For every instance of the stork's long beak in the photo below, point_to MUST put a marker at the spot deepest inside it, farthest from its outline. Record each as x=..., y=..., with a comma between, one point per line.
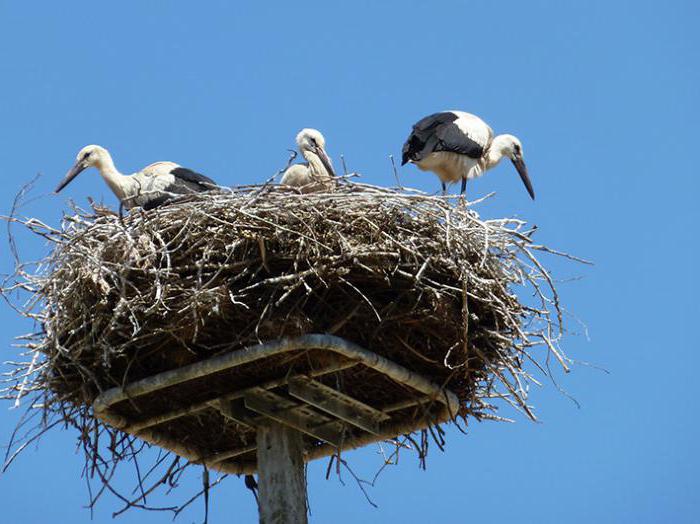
x=78, y=168
x=325, y=160
x=519, y=164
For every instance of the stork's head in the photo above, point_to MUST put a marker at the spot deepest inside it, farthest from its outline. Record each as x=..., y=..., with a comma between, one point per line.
x=509, y=146
x=311, y=141
x=89, y=156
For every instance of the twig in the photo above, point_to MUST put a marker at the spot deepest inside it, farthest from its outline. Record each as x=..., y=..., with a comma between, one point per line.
x=396, y=173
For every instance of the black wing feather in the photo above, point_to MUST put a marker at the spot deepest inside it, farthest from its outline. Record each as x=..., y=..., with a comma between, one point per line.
x=438, y=132
x=193, y=183
x=199, y=181
x=157, y=202
x=423, y=139
x=452, y=138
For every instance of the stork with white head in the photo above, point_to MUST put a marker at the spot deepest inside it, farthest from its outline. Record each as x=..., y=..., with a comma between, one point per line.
x=316, y=174
x=458, y=146
x=151, y=187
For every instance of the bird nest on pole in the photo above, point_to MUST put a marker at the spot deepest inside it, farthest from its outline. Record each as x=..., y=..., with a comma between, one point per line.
x=179, y=324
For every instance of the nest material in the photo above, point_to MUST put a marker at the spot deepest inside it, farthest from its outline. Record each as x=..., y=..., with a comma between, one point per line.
x=425, y=283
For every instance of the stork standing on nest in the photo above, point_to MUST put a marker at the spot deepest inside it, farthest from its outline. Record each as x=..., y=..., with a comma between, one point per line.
x=151, y=187
x=457, y=145
x=316, y=174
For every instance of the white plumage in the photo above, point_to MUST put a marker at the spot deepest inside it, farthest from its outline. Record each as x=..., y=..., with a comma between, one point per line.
x=317, y=173
x=458, y=146
x=154, y=185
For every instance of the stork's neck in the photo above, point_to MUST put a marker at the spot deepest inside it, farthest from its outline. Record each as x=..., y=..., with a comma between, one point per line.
x=315, y=164
x=496, y=151
x=120, y=185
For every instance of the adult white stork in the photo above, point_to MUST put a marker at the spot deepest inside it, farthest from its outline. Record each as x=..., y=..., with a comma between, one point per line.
x=151, y=187
x=457, y=145
x=316, y=174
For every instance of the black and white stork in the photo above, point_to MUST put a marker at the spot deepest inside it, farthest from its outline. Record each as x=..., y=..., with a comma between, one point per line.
x=457, y=145
x=149, y=188
x=316, y=174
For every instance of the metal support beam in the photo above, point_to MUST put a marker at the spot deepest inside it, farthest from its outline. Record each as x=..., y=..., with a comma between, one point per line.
x=281, y=478
x=338, y=404
x=294, y=415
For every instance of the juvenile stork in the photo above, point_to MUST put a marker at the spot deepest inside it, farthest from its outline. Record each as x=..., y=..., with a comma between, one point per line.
x=316, y=174
x=457, y=145
x=151, y=187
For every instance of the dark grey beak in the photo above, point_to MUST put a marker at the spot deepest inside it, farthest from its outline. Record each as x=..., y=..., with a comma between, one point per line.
x=519, y=164
x=78, y=168
x=325, y=160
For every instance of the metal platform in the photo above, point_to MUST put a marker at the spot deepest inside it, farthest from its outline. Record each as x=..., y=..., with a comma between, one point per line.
x=296, y=382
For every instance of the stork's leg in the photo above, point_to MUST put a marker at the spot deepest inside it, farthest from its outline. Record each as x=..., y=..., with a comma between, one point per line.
x=464, y=186
x=121, y=213
x=444, y=189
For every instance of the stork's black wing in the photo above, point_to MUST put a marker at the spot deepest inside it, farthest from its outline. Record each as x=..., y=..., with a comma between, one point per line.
x=195, y=181
x=438, y=132
x=155, y=202
x=186, y=182
x=452, y=138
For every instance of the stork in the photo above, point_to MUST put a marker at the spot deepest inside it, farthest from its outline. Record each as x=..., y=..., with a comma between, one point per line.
x=457, y=145
x=151, y=187
x=316, y=174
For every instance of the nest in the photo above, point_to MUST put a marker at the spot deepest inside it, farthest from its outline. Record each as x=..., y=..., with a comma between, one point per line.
x=409, y=276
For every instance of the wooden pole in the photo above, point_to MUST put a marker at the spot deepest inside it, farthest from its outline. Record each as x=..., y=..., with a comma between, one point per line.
x=281, y=479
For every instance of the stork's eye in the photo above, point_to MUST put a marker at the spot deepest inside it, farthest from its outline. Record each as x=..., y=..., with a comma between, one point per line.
x=517, y=148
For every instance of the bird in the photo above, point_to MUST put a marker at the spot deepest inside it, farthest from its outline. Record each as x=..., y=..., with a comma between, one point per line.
x=149, y=188
x=316, y=174
x=458, y=145
x=252, y=485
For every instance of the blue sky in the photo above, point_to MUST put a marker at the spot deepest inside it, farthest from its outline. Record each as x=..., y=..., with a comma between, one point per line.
x=604, y=96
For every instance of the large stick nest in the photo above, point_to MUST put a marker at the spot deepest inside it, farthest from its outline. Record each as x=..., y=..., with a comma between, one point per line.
x=412, y=277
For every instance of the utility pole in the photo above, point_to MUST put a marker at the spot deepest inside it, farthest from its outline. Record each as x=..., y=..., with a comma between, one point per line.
x=281, y=478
